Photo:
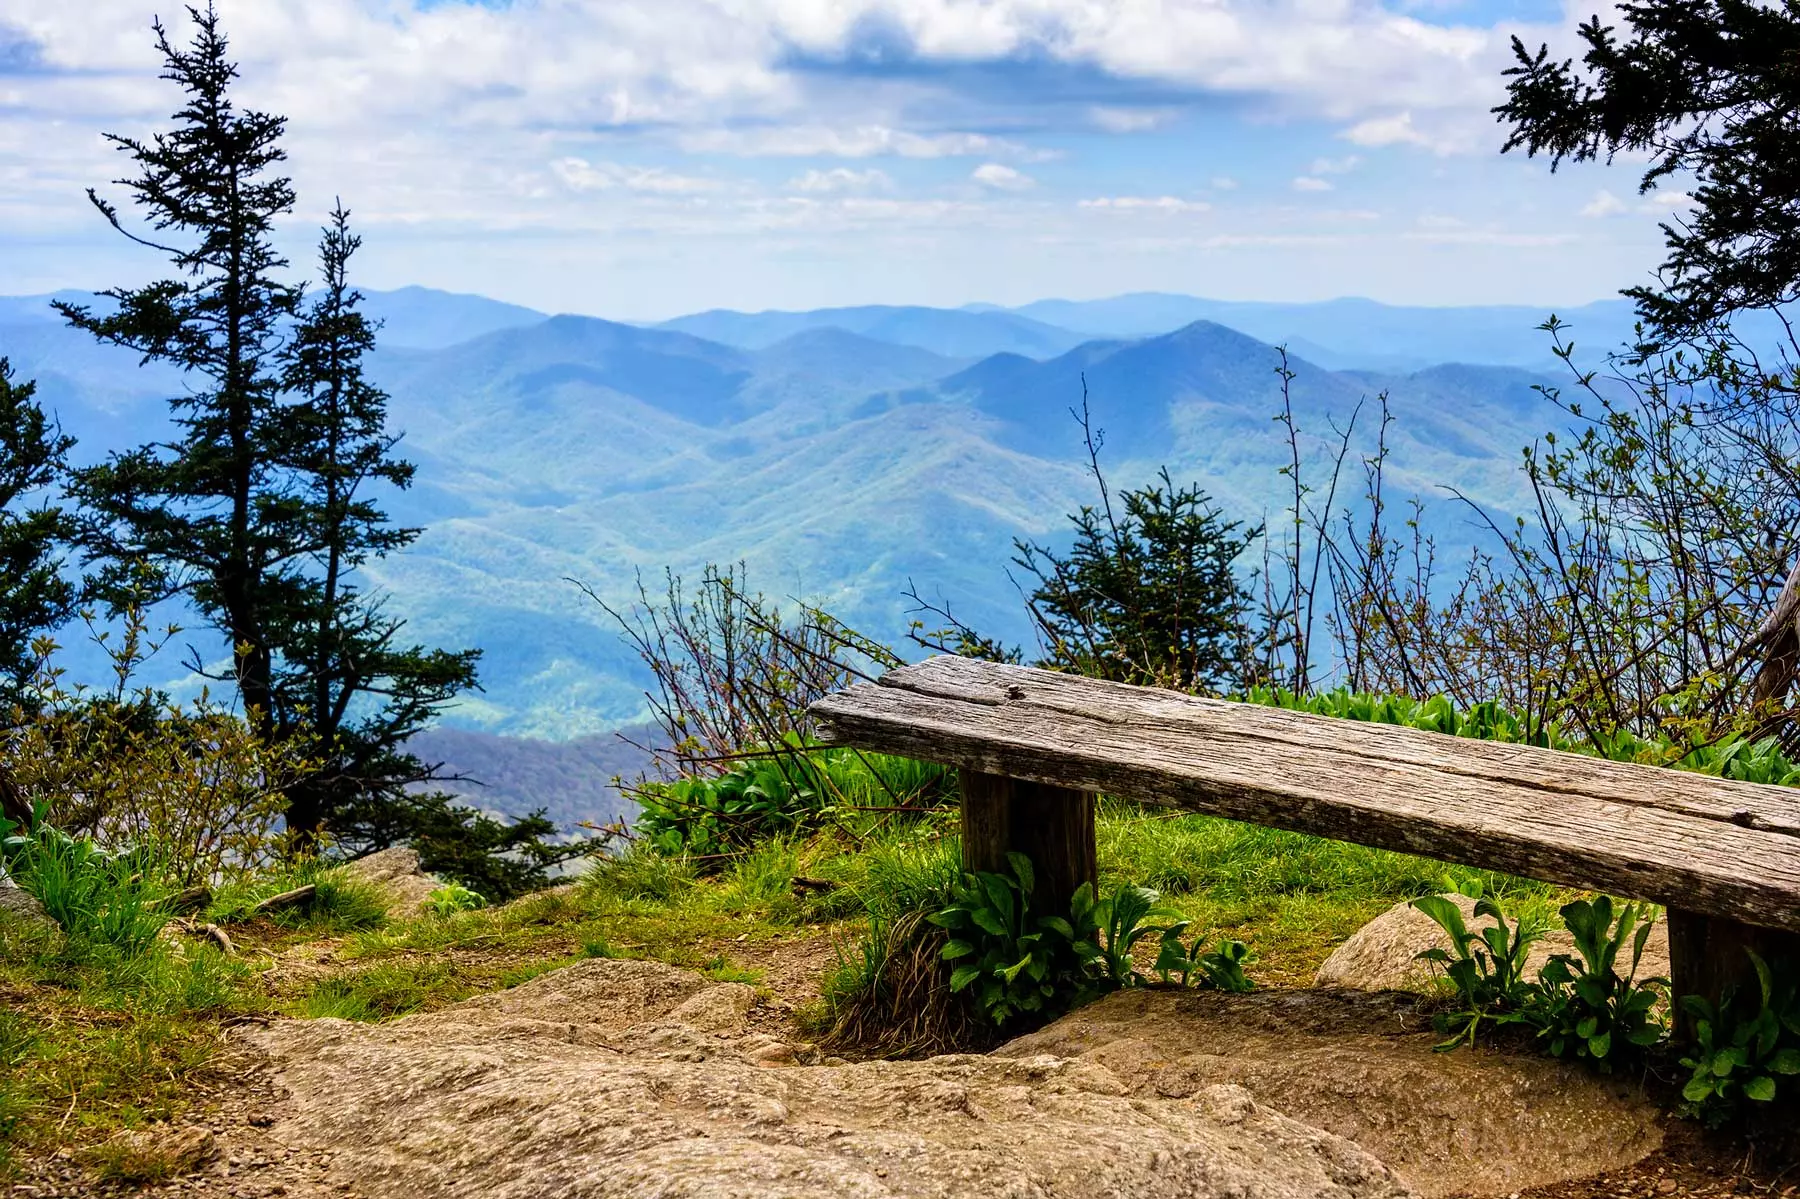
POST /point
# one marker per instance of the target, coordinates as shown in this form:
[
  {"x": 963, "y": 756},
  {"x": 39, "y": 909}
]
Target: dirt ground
[{"x": 236, "y": 1155}]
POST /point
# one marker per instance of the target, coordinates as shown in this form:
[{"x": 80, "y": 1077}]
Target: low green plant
[
  {"x": 384, "y": 991},
  {"x": 1107, "y": 930},
  {"x": 452, "y": 898},
  {"x": 1017, "y": 963},
  {"x": 1220, "y": 969},
  {"x": 723, "y": 969},
  {"x": 99, "y": 898},
  {"x": 1584, "y": 1007},
  {"x": 798, "y": 788},
  {"x": 1742, "y": 1047},
  {"x": 1487, "y": 968}
]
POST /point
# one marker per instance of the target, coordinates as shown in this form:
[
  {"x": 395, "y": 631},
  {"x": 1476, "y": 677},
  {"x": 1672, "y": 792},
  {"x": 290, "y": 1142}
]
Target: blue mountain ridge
[{"x": 836, "y": 464}]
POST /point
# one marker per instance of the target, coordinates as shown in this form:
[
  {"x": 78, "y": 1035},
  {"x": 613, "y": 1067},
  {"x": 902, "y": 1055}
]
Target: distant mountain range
[{"x": 840, "y": 454}]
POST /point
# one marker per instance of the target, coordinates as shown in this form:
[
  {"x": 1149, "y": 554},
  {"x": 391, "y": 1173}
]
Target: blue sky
[{"x": 642, "y": 158}]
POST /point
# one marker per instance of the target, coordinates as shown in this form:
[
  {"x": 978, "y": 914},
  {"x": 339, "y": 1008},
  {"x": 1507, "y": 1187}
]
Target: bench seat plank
[{"x": 1703, "y": 845}]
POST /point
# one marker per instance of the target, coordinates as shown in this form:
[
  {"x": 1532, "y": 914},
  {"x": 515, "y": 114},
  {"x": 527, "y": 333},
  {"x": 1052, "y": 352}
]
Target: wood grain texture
[
  {"x": 1699, "y": 844},
  {"x": 1052, "y": 826}
]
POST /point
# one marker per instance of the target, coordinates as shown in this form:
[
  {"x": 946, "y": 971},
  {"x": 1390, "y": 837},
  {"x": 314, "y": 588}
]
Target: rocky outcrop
[
  {"x": 396, "y": 873},
  {"x": 1362, "y": 1066},
  {"x": 1382, "y": 955},
  {"x": 621, "y": 1078}
]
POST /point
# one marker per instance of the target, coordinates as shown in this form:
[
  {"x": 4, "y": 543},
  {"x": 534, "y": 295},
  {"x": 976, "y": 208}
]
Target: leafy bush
[
  {"x": 1487, "y": 968},
  {"x": 1106, "y": 930},
  {"x": 452, "y": 898},
  {"x": 193, "y": 784},
  {"x": 1220, "y": 969},
  {"x": 1021, "y": 965},
  {"x": 797, "y": 788},
  {"x": 1584, "y": 1007},
  {"x": 1743, "y": 1047},
  {"x": 1017, "y": 964}
]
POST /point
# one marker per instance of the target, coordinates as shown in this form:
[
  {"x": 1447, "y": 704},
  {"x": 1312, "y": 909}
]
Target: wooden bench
[{"x": 1034, "y": 747}]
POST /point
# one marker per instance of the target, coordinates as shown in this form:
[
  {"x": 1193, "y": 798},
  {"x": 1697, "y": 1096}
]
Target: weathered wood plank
[
  {"x": 1726, "y": 850},
  {"x": 1745, "y": 804}
]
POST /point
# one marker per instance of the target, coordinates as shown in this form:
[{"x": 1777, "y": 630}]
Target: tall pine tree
[
  {"x": 35, "y": 595},
  {"x": 206, "y": 512},
  {"x": 256, "y": 511},
  {"x": 344, "y": 676}
]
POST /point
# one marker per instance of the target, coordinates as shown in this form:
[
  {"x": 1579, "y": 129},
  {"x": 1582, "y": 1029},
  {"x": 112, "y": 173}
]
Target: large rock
[
  {"x": 618, "y": 1078},
  {"x": 16, "y": 901},
  {"x": 1362, "y": 1066},
  {"x": 1382, "y": 955},
  {"x": 396, "y": 874}
]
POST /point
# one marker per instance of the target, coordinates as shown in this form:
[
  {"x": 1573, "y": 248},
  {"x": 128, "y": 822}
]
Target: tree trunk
[{"x": 1053, "y": 826}]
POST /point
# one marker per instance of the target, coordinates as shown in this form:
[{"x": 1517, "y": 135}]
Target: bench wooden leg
[
  {"x": 1706, "y": 955},
  {"x": 1053, "y": 826}
]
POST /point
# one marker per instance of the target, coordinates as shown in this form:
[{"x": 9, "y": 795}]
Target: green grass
[
  {"x": 340, "y": 902},
  {"x": 386, "y": 990},
  {"x": 1292, "y": 898}
]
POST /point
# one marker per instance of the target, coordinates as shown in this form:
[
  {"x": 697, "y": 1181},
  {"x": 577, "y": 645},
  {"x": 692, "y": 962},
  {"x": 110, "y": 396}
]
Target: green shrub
[
  {"x": 1106, "y": 930},
  {"x": 1017, "y": 964},
  {"x": 452, "y": 898},
  {"x": 1583, "y": 1007},
  {"x": 797, "y": 789},
  {"x": 1487, "y": 968},
  {"x": 1221, "y": 969}
]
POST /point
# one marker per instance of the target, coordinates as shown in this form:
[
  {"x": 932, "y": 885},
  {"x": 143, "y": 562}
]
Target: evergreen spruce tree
[
  {"x": 1704, "y": 88},
  {"x": 344, "y": 677},
  {"x": 35, "y": 596},
  {"x": 206, "y": 513},
  {"x": 257, "y": 511}
]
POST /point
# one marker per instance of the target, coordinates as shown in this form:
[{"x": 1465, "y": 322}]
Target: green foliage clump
[
  {"x": 1744, "y": 1046},
  {"x": 1487, "y": 968},
  {"x": 99, "y": 898},
  {"x": 1017, "y": 963},
  {"x": 796, "y": 789},
  {"x": 1585, "y": 1007},
  {"x": 1580, "y": 1007},
  {"x": 452, "y": 898}
]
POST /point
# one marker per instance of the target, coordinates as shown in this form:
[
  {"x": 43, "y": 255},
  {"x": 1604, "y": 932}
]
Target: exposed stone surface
[
  {"x": 1362, "y": 1066},
  {"x": 162, "y": 1149},
  {"x": 396, "y": 872},
  {"x": 621, "y": 1078},
  {"x": 1381, "y": 955},
  {"x": 17, "y": 901}
]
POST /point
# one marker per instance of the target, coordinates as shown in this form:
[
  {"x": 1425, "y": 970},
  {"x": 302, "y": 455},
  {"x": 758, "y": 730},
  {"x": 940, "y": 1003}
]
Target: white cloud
[
  {"x": 1655, "y": 203},
  {"x": 1223, "y": 183},
  {"x": 1311, "y": 183},
  {"x": 1604, "y": 203},
  {"x": 1128, "y": 120},
  {"x": 1334, "y": 166},
  {"x": 1453, "y": 133},
  {"x": 580, "y": 175},
  {"x": 862, "y": 141},
  {"x": 1001, "y": 177},
  {"x": 840, "y": 179},
  {"x": 1168, "y": 204}
]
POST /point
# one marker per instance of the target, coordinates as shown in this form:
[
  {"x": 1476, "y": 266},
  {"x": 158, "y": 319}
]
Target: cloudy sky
[{"x": 641, "y": 158}]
